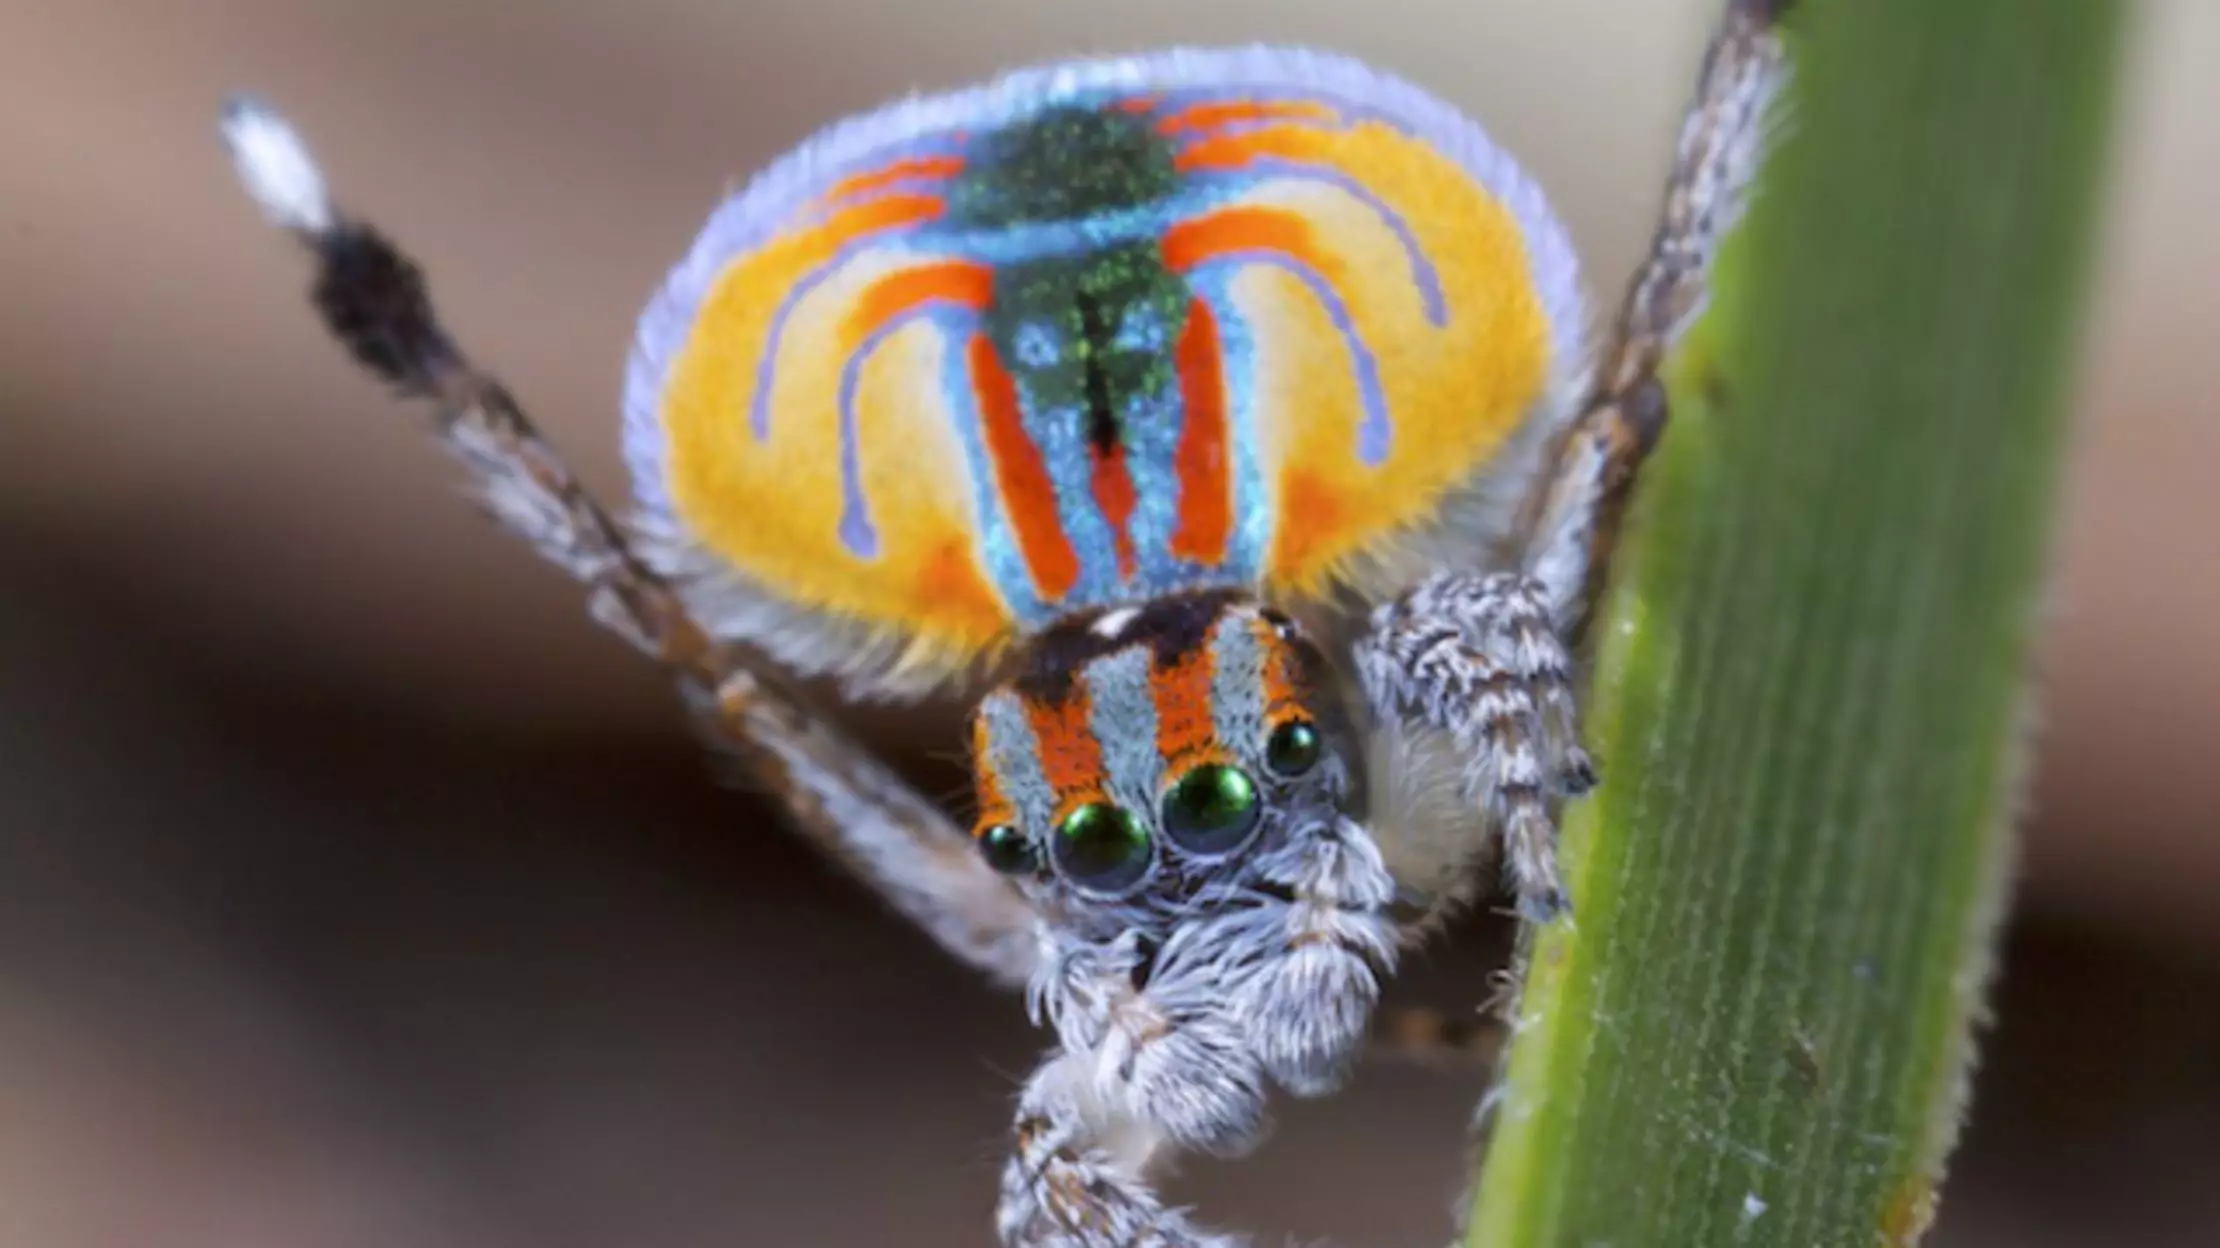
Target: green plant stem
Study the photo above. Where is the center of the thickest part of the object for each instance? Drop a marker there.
(1811, 666)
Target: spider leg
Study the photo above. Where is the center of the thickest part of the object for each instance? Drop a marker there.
(1477, 659)
(1149, 1061)
(1170, 1048)
(1573, 518)
(1072, 1183)
(1485, 659)
(373, 299)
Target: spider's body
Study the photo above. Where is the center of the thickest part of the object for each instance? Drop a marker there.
(1230, 412)
(1094, 334)
(1080, 370)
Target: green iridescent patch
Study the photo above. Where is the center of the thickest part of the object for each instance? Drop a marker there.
(1065, 329)
(1062, 165)
(1089, 331)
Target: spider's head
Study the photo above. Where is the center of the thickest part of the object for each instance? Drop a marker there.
(1149, 754)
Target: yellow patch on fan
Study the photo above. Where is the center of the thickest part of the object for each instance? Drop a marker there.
(1398, 338)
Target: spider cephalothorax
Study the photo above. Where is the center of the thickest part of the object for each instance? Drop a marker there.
(1069, 375)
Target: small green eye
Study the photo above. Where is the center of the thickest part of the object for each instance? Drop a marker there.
(1293, 748)
(1008, 849)
(1212, 809)
(1102, 848)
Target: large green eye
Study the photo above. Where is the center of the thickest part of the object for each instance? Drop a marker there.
(1293, 748)
(1008, 849)
(1212, 809)
(1101, 848)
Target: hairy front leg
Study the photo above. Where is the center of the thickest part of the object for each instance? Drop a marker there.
(1149, 1063)
(1478, 662)
(847, 802)
(1167, 1047)
(1078, 1176)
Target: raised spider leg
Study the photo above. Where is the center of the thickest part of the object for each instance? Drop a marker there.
(1572, 520)
(1485, 657)
(852, 806)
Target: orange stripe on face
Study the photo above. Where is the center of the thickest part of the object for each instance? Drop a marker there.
(1206, 116)
(994, 805)
(1186, 728)
(959, 282)
(914, 167)
(1112, 484)
(1021, 473)
(1205, 501)
(1071, 757)
(1235, 151)
(1235, 230)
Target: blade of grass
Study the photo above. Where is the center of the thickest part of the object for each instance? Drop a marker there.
(1811, 665)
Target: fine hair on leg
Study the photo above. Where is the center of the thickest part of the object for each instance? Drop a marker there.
(1572, 521)
(374, 300)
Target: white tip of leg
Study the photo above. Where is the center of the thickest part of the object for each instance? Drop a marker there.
(275, 166)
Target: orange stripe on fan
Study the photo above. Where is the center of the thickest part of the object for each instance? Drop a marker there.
(1231, 230)
(1233, 151)
(957, 281)
(1205, 502)
(824, 241)
(914, 167)
(1112, 485)
(1028, 495)
(1311, 514)
(1205, 116)
(871, 216)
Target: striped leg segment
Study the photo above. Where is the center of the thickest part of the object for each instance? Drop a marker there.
(1066, 1187)
(1574, 518)
(852, 806)
(1478, 657)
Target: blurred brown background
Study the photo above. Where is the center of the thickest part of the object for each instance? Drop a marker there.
(354, 891)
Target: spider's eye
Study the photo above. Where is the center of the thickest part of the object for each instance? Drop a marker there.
(1102, 848)
(1293, 748)
(1008, 849)
(1212, 809)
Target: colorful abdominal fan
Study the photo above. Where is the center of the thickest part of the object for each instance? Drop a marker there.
(1093, 334)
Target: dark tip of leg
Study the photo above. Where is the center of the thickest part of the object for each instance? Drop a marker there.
(374, 300)
(1578, 775)
(1647, 409)
(1545, 907)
